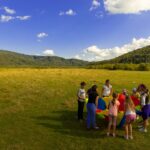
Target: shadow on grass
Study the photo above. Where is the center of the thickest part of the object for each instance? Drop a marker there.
(65, 123)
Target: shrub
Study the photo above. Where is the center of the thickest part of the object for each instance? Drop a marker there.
(143, 67)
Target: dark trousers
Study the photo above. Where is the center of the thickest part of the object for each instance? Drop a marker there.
(80, 110)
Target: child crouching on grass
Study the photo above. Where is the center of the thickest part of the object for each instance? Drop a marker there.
(113, 113)
(130, 117)
(81, 100)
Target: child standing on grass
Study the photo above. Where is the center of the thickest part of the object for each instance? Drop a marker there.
(145, 114)
(130, 117)
(107, 89)
(113, 113)
(81, 100)
(91, 107)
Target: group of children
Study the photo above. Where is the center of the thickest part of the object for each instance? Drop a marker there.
(123, 102)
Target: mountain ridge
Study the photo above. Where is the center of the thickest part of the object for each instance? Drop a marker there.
(14, 59)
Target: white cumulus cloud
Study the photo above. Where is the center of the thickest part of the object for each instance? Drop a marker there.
(127, 6)
(49, 52)
(6, 18)
(95, 4)
(77, 57)
(9, 11)
(42, 35)
(69, 12)
(94, 53)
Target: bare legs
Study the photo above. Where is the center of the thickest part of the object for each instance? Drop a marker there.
(145, 123)
(128, 130)
(112, 122)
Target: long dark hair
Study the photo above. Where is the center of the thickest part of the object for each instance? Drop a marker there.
(94, 88)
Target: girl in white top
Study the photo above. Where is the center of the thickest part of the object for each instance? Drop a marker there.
(107, 89)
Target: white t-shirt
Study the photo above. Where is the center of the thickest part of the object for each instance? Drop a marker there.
(130, 112)
(107, 90)
(143, 99)
(82, 93)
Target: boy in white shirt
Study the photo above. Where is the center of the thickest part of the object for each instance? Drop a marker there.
(81, 100)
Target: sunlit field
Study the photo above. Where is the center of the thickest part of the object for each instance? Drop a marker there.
(38, 110)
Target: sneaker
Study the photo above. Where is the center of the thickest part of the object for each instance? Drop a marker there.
(114, 135)
(143, 130)
(96, 128)
(137, 118)
(140, 126)
(108, 134)
(126, 137)
(131, 137)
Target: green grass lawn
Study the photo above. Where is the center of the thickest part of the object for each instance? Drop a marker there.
(38, 110)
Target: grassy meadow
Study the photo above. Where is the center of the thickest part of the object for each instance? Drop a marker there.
(38, 110)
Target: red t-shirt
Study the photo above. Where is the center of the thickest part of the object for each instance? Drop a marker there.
(121, 99)
(135, 100)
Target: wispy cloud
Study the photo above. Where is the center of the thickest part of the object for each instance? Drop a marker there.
(23, 17)
(7, 18)
(9, 11)
(95, 4)
(94, 53)
(99, 14)
(69, 12)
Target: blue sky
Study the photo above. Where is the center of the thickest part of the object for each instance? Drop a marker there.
(84, 29)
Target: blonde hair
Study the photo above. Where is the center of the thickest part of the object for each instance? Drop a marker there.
(129, 102)
(115, 96)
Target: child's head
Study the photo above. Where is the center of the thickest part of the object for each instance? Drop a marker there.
(107, 82)
(134, 90)
(141, 88)
(83, 84)
(115, 95)
(94, 88)
(124, 91)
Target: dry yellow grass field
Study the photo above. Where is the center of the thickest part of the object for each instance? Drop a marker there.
(38, 109)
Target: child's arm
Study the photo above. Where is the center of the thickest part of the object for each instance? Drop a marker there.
(125, 108)
(97, 101)
(78, 95)
(111, 91)
(102, 91)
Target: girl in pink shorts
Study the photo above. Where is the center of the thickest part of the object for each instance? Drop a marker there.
(113, 113)
(130, 117)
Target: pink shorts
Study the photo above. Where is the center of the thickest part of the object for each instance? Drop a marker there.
(130, 118)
